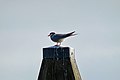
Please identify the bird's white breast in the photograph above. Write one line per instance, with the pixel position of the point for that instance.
(60, 40)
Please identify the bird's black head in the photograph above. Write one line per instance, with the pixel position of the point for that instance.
(52, 33)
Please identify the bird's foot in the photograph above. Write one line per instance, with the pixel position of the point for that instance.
(58, 44)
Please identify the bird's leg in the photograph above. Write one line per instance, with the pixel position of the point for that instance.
(60, 44)
(57, 43)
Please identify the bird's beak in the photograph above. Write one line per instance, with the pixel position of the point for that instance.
(48, 35)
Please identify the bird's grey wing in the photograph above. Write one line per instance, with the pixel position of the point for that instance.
(58, 36)
(61, 36)
(68, 34)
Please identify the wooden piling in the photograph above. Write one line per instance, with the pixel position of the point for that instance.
(59, 64)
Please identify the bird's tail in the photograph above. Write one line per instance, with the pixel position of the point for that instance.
(71, 34)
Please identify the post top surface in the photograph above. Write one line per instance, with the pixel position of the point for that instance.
(57, 46)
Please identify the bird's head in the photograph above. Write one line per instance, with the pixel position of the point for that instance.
(51, 33)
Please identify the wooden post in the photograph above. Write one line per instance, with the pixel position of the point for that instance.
(59, 64)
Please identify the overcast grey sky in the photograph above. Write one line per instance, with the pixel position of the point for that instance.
(25, 24)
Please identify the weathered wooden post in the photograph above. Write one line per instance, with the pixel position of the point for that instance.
(59, 64)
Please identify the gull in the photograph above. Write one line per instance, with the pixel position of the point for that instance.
(58, 38)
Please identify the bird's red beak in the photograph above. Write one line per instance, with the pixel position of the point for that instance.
(48, 35)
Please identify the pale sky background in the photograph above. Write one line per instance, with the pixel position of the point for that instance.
(25, 24)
